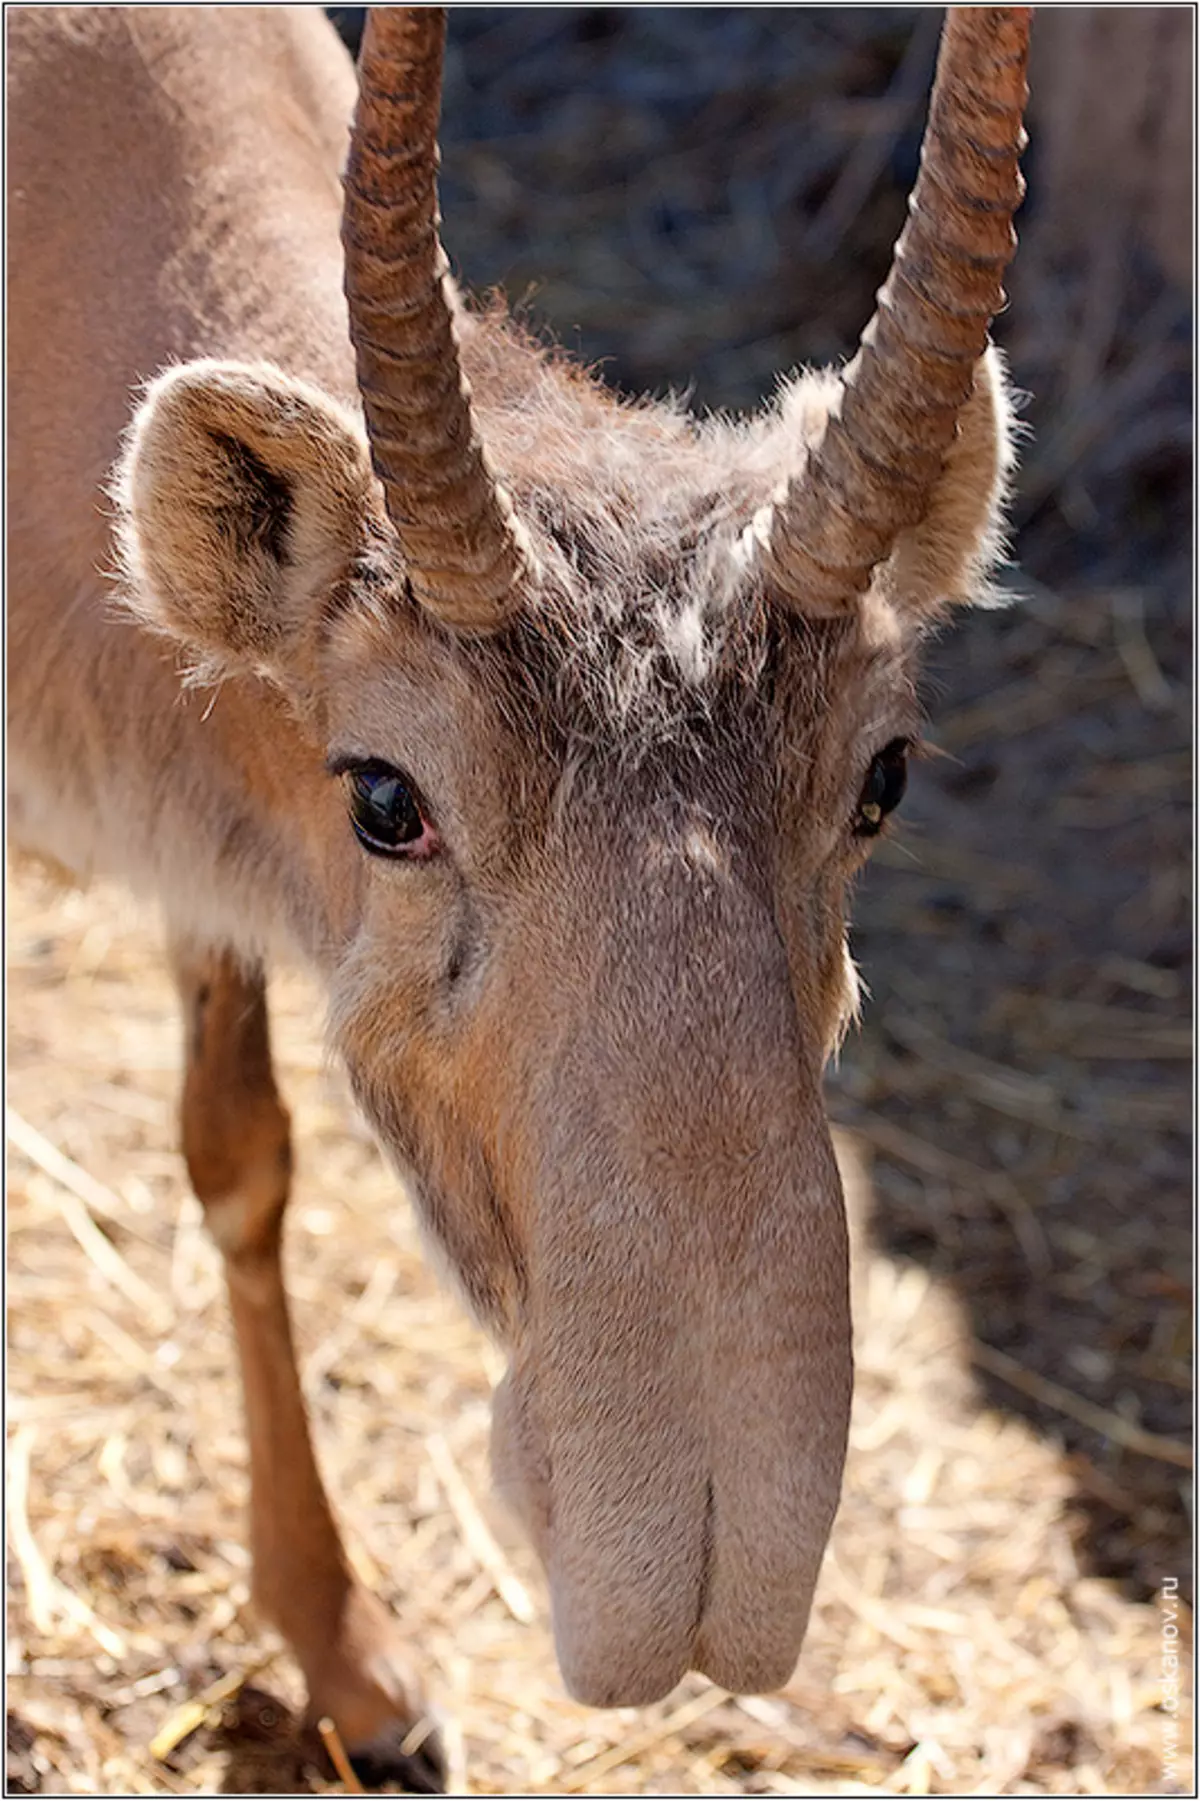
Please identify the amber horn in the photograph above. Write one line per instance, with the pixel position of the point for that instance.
(873, 474)
(468, 559)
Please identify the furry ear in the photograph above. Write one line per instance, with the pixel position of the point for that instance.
(243, 496)
(948, 558)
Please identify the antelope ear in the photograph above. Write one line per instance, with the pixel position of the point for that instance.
(242, 498)
(947, 560)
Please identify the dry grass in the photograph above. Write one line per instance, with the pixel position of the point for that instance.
(956, 1646)
(708, 195)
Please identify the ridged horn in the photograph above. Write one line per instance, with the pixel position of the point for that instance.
(467, 555)
(875, 469)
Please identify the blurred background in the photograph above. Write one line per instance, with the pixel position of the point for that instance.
(699, 199)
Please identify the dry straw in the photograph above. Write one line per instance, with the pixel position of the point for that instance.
(960, 1643)
(956, 1645)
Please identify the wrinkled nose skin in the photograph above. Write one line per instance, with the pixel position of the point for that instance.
(673, 1427)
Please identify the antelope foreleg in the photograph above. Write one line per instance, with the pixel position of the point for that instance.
(236, 1141)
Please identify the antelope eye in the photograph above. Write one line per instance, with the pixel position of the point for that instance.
(883, 789)
(385, 812)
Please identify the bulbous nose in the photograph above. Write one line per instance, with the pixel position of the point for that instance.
(674, 1431)
(674, 1425)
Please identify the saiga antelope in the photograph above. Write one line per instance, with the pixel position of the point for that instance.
(548, 728)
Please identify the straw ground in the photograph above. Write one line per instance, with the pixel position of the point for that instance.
(957, 1645)
(707, 195)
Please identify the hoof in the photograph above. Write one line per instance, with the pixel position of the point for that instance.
(384, 1763)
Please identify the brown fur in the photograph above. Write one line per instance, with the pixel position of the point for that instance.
(236, 1142)
(591, 1030)
(251, 493)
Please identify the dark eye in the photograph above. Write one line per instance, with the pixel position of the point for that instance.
(385, 812)
(883, 789)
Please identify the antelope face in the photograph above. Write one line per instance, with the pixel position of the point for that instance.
(597, 968)
(604, 749)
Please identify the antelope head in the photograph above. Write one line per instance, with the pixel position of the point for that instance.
(612, 703)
